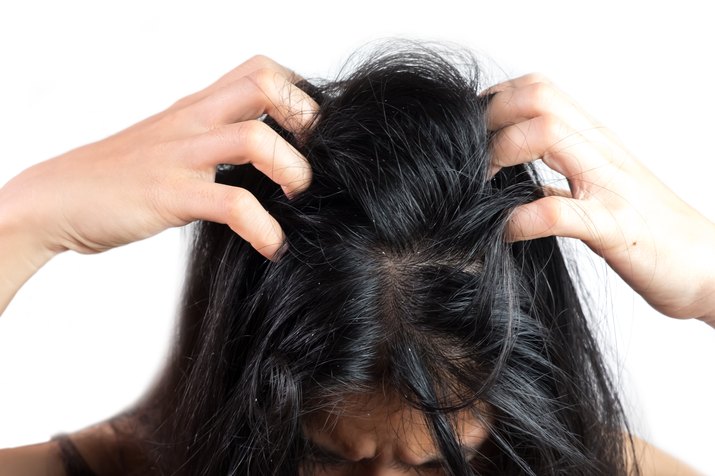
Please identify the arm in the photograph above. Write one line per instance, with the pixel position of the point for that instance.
(42, 459)
(159, 174)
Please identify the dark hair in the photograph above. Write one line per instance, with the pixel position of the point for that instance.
(396, 274)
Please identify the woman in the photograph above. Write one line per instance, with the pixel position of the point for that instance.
(395, 329)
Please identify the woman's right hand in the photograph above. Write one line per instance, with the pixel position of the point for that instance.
(160, 172)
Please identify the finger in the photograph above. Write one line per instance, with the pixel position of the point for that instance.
(265, 91)
(514, 105)
(553, 216)
(562, 148)
(517, 82)
(250, 142)
(239, 209)
(256, 63)
(246, 68)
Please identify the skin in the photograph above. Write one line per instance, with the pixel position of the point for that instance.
(160, 173)
(380, 435)
(658, 244)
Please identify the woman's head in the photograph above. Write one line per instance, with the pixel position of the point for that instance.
(398, 327)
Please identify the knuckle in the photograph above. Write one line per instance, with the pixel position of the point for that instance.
(537, 77)
(541, 96)
(264, 79)
(551, 126)
(156, 194)
(261, 62)
(251, 136)
(238, 202)
(220, 135)
(187, 157)
(504, 140)
(551, 212)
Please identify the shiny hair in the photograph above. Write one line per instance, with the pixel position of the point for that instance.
(395, 274)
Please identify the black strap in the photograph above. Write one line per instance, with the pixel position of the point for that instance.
(72, 460)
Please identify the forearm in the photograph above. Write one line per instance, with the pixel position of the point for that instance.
(702, 277)
(42, 459)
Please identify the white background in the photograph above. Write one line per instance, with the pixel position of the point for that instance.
(86, 335)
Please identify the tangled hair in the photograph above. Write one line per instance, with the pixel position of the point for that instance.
(396, 275)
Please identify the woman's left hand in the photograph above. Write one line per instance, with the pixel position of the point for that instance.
(663, 248)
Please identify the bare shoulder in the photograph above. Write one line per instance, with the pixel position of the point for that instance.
(653, 461)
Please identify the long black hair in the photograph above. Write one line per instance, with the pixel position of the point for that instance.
(395, 274)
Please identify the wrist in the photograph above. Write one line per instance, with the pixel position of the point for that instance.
(709, 316)
(707, 287)
(23, 250)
